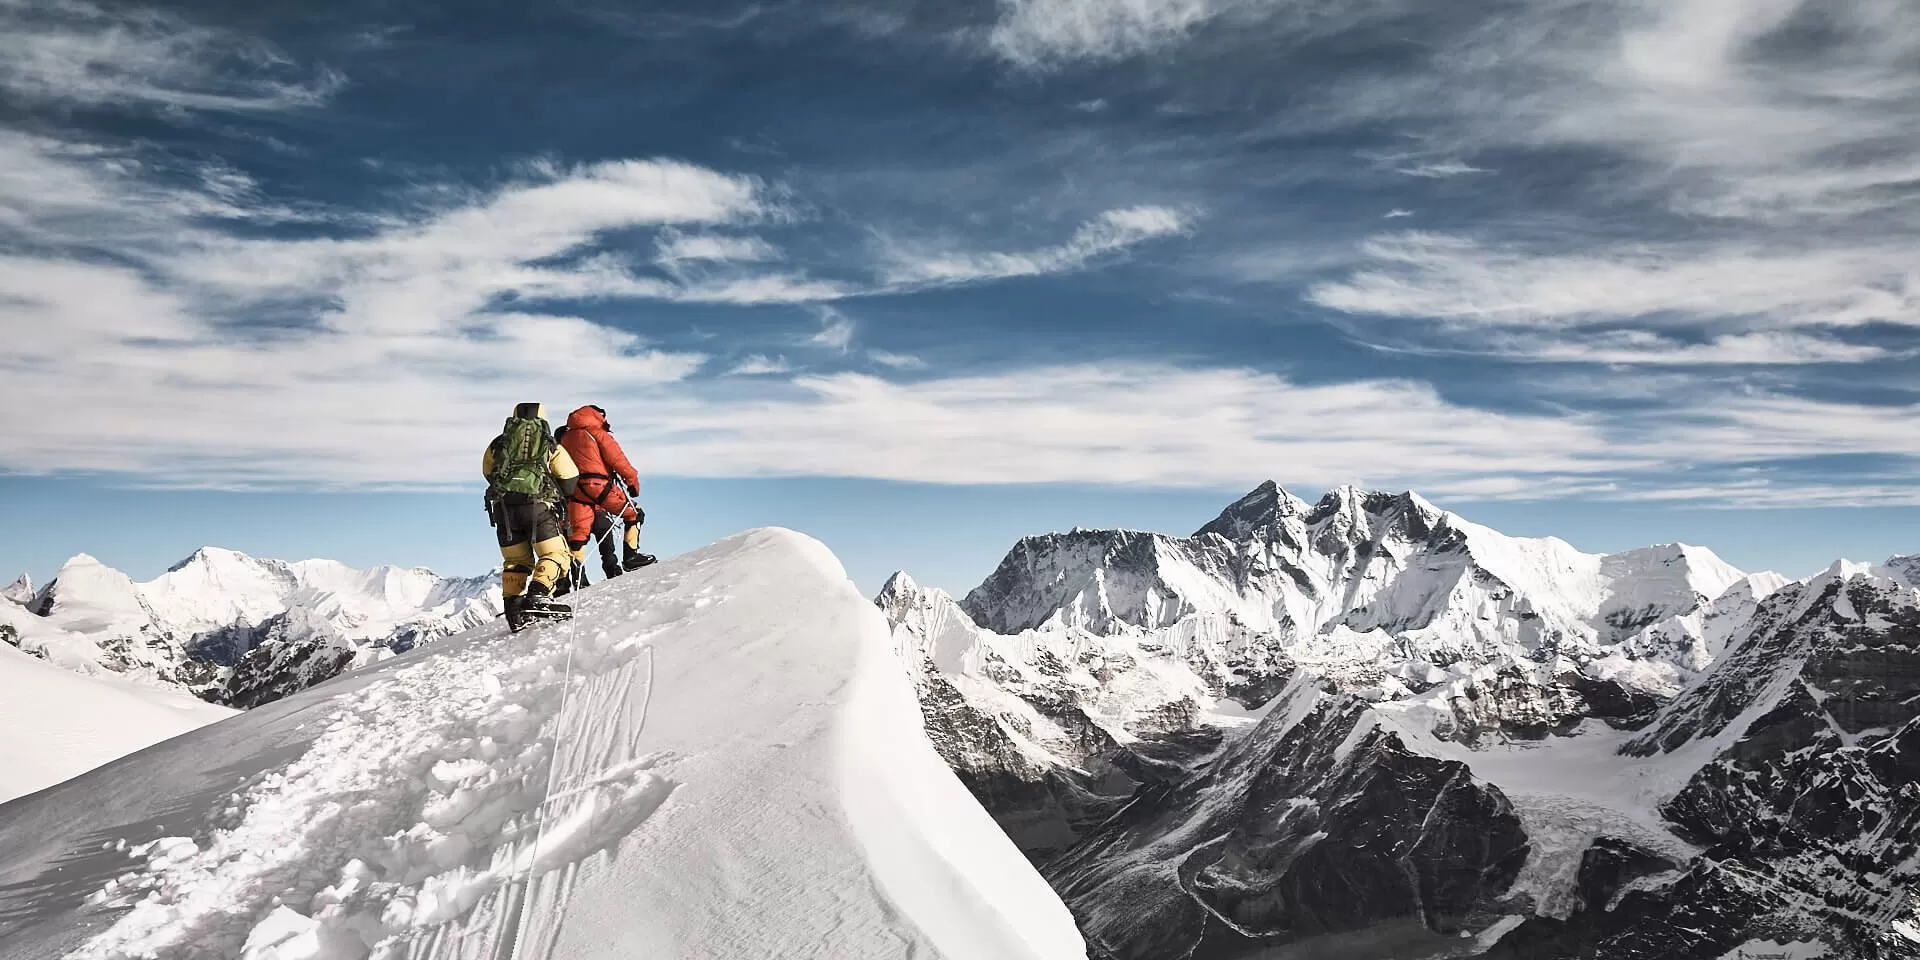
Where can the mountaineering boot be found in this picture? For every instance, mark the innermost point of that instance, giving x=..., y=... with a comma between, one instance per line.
x=546, y=611
x=634, y=560
x=539, y=606
x=516, y=613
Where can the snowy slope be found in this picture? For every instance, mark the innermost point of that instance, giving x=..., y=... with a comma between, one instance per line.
x=740, y=772
x=243, y=631
x=55, y=724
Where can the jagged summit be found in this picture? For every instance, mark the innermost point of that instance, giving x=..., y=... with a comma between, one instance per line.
x=900, y=584
x=210, y=556
x=20, y=591
x=1266, y=505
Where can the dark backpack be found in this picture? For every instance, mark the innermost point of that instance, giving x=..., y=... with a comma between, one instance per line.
x=520, y=457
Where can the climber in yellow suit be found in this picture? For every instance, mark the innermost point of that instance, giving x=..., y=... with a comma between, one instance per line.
x=529, y=476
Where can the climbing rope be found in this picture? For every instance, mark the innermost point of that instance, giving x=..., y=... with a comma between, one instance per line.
x=547, y=796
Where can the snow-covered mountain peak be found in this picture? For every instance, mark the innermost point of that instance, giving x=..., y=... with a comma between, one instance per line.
x=243, y=630
x=85, y=583
x=1265, y=506
x=1906, y=569
x=898, y=587
x=213, y=557
x=20, y=591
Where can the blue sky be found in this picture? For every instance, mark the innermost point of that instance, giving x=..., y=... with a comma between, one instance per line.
x=919, y=277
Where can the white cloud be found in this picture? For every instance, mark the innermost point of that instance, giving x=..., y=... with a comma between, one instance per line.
x=1121, y=425
x=452, y=262
x=1397, y=213
x=1766, y=427
x=1440, y=170
x=1040, y=33
x=898, y=361
x=1642, y=347
x=836, y=329
x=759, y=365
x=80, y=53
x=393, y=338
x=1452, y=278
x=109, y=373
x=1111, y=232
x=674, y=246
x=1745, y=108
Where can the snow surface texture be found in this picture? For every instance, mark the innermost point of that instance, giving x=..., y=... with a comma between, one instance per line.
x=55, y=724
x=240, y=630
x=735, y=768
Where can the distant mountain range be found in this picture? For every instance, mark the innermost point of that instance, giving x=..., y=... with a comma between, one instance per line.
x=237, y=630
x=1366, y=727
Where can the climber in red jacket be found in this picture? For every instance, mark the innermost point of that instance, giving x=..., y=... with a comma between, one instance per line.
x=607, y=485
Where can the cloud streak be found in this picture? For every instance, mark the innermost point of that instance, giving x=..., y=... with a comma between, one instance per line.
x=1038, y=34
x=1453, y=278
x=1110, y=233
x=72, y=52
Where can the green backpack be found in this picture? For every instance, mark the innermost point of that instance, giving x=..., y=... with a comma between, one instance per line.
x=520, y=458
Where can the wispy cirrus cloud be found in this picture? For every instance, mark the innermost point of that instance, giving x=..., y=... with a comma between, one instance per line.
x=676, y=247
x=1454, y=278
x=1440, y=170
x=897, y=361
x=1039, y=33
x=836, y=329
x=760, y=365
x=74, y=52
x=1112, y=232
x=1640, y=347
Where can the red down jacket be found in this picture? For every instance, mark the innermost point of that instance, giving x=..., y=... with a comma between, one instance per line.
x=597, y=455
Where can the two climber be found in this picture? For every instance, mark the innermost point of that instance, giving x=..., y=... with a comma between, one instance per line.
x=544, y=506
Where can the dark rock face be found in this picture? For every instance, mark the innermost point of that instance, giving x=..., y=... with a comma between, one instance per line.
x=1285, y=841
x=1047, y=807
x=1809, y=818
x=245, y=666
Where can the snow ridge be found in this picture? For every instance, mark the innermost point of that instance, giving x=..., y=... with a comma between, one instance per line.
x=733, y=767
